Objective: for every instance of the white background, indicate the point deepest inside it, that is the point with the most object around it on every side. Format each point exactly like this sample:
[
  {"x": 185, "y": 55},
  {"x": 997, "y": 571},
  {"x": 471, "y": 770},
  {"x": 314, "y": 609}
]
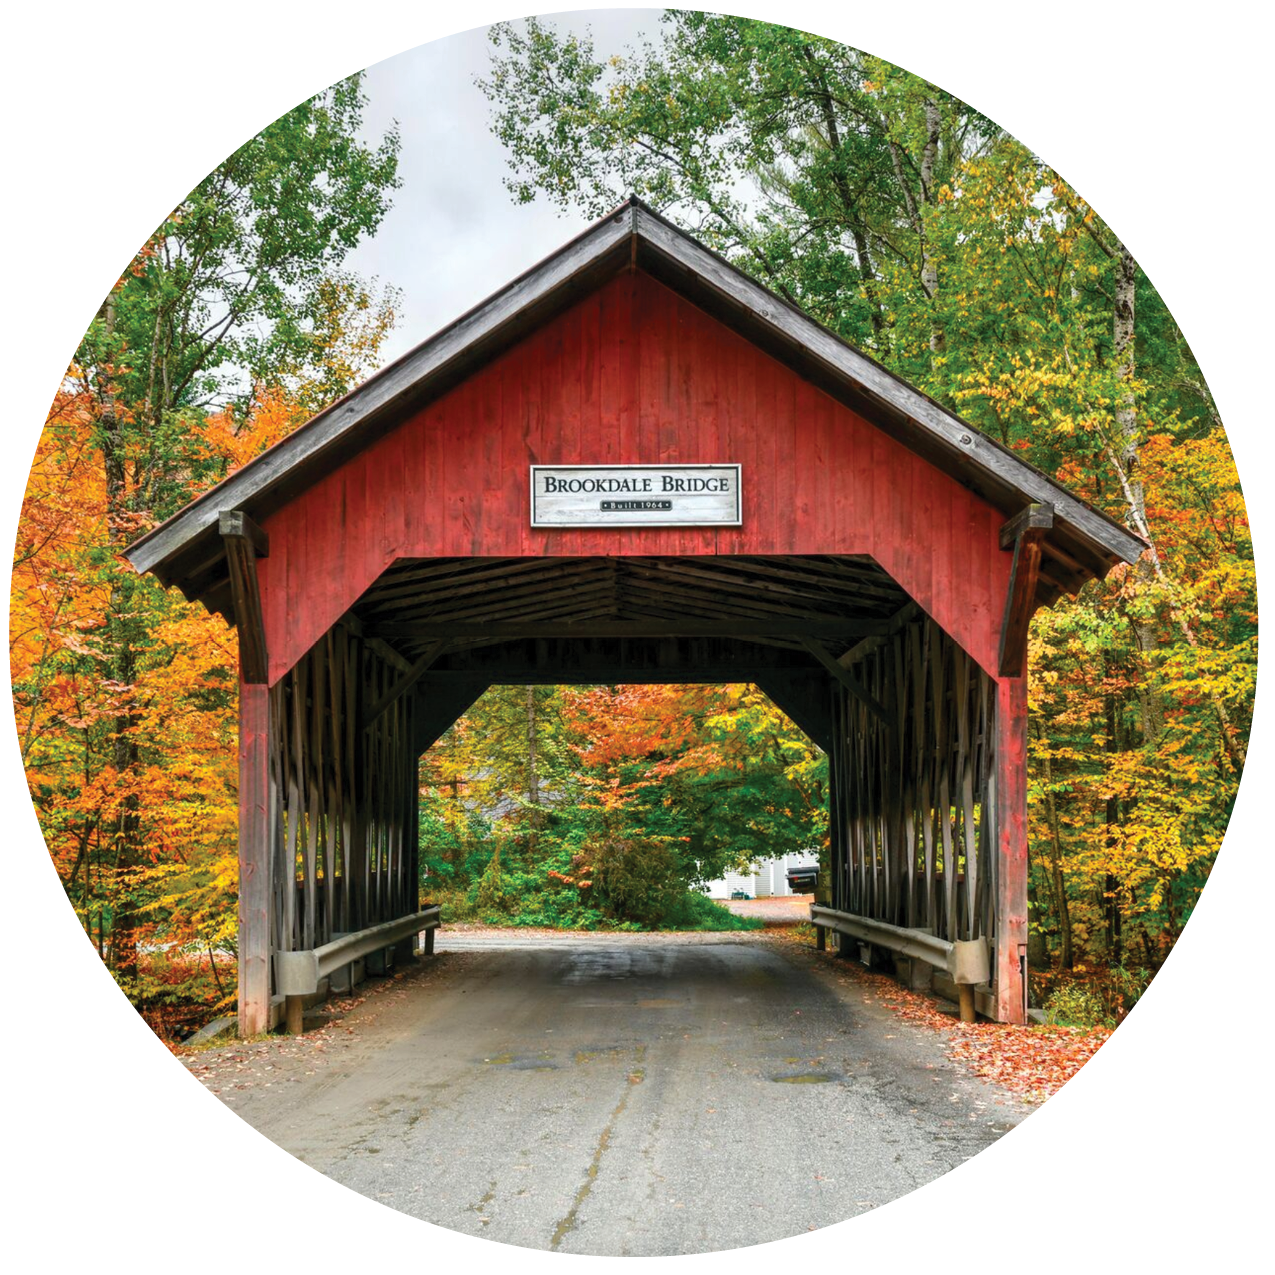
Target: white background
[{"x": 1155, "y": 1157}]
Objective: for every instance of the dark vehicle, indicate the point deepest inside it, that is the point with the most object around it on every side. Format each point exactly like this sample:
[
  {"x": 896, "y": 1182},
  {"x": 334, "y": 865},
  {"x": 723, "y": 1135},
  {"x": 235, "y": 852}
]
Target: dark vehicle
[{"x": 802, "y": 880}]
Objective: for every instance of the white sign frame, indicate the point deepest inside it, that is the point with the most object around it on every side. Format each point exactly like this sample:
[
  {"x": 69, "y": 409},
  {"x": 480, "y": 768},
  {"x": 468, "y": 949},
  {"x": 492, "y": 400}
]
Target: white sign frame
[{"x": 573, "y": 511}]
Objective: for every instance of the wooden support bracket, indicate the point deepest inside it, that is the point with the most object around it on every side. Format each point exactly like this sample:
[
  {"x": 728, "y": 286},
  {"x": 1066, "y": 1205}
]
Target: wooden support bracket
[
  {"x": 809, "y": 711},
  {"x": 1024, "y": 533},
  {"x": 410, "y": 677},
  {"x": 901, "y": 618},
  {"x": 244, "y": 543},
  {"x": 848, "y": 680}
]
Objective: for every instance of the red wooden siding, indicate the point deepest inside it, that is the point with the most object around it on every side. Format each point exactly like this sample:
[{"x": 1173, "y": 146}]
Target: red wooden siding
[{"x": 633, "y": 374}]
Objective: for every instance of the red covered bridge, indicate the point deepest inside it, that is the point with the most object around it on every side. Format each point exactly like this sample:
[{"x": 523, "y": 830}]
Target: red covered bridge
[{"x": 635, "y": 464}]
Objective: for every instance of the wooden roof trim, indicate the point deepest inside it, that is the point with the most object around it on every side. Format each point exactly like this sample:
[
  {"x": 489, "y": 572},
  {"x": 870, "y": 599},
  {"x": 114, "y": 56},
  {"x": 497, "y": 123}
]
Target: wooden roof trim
[
  {"x": 382, "y": 391},
  {"x": 961, "y": 441},
  {"x": 619, "y": 234}
]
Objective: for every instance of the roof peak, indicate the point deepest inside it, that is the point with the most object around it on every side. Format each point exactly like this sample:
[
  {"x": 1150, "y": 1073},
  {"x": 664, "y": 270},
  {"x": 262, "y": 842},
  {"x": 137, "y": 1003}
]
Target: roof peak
[{"x": 631, "y": 236}]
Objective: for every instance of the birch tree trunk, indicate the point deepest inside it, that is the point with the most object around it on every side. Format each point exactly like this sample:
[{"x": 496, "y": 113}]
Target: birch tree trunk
[
  {"x": 1123, "y": 332},
  {"x": 1150, "y": 568},
  {"x": 929, "y": 265}
]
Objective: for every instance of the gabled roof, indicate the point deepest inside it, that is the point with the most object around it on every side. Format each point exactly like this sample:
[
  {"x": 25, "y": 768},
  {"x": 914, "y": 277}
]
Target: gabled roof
[{"x": 186, "y": 550}]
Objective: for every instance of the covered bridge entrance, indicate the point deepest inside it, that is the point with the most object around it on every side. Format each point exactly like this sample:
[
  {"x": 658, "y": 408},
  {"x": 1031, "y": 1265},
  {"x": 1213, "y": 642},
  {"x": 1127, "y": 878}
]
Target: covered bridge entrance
[{"x": 635, "y": 464}]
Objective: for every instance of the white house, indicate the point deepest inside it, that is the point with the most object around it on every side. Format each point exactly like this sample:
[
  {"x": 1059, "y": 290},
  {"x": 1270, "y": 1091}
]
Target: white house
[{"x": 768, "y": 881}]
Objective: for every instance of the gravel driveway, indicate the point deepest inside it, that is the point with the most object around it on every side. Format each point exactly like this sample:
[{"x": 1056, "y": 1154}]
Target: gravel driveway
[{"x": 774, "y": 911}]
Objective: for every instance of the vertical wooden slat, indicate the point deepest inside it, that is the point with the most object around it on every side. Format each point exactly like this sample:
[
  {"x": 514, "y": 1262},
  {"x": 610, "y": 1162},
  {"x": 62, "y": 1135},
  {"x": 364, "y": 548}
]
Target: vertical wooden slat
[
  {"x": 312, "y": 813},
  {"x": 1011, "y": 828},
  {"x": 336, "y": 811},
  {"x": 943, "y": 732},
  {"x": 323, "y": 787},
  {"x": 965, "y": 707},
  {"x": 278, "y": 785},
  {"x": 292, "y": 762},
  {"x": 836, "y": 825},
  {"x": 355, "y": 845},
  {"x": 413, "y": 813},
  {"x": 372, "y": 770},
  {"x": 254, "y": 858},
  {"x": 987, "y": 823}
]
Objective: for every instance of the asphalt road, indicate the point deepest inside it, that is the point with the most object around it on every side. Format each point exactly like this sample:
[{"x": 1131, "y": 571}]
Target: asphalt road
[{"x": 650, "y": 1095}]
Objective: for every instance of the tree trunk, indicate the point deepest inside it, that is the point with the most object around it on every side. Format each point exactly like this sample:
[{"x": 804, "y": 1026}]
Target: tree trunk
[
  {"x": 1125, "y": 456},
  {"x": 533, "y": 782},
  {"x": 119, "y": 665},
  {"x": 929, "y": 263},
  {"x": 1123, "y": 333},
  {"x": 1065, "y": 956},
  {"x": 1111, "y": 886}
]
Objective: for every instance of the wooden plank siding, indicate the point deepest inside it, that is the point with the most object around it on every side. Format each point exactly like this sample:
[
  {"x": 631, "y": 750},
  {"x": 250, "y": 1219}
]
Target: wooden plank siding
[
  {"x": 679, "y": 387},
  {"x": 422, "y": 541}
]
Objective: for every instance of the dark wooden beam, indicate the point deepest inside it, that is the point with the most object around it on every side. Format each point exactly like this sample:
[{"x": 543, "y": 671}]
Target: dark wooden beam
[
  {"x": 903, "y": 616},
  {"x": 441, "y": 704},
  {"x": 1035, "y": 518},
  {"x": 397, "y": 589},
  {"x": 1024, "y": 532},
  {"x": 503, "y": 606},
  {"x": 779, "y": 626},
  {"x": 244, "y": 542},
  {"x": 849, "y": 681},
  {"x": 410, "y": 677},
  {"x": 236, "y": 523},
  {"x": 615, "y": 661},
  {"x": 806, "y": 700}
]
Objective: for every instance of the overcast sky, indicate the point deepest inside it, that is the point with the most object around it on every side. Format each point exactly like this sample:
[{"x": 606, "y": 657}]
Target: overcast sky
[{"x": 454, "y": 234}]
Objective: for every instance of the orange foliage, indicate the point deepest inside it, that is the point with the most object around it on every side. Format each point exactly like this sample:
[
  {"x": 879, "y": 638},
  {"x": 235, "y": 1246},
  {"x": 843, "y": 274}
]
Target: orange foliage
[{"x": 178, "y": 713}]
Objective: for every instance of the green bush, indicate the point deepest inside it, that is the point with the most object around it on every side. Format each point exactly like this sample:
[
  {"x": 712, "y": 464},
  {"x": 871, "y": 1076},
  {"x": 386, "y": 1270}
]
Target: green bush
[
  {"x": 1124, "y": 988},
  {"x": 455, "y": 902},
  {"x": 695, "y": 911},
  {"x": 573, "y": 884},
  {"x": 637, "y": 880},
  {"x": 1076, "y": 1005}
]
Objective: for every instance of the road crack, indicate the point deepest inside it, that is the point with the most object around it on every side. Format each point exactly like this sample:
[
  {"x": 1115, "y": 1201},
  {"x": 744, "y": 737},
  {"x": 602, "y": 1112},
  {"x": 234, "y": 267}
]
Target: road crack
[{"x": 568, "y": 1223}]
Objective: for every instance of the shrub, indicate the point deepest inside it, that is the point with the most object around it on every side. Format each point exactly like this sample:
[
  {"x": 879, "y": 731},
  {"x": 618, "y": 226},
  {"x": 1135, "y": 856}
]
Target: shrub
[
  {"x": 637, "y": 881},
  {"x": 490, "y": 895},
  {"x": 1123, "y": 989},
  {"x": 1075, "y": 1005},
  {"x": 695, "y": 911}
]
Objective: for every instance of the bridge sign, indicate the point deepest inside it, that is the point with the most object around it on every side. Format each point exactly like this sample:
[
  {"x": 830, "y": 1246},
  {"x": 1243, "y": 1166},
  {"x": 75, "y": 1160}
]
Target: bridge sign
[{"x": 635, "y": 496}]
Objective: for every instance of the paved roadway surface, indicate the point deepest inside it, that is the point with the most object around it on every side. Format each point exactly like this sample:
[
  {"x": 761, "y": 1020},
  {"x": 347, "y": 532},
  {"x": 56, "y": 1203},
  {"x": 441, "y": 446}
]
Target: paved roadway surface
[{"x": 644, "y": 1094}]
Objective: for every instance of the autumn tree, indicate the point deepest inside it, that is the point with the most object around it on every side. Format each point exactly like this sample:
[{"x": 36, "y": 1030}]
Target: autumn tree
[
  {"x": 918, "y": 229},
  {"x": 641, "y": 794},
  {"x": 235, "y": 321}
]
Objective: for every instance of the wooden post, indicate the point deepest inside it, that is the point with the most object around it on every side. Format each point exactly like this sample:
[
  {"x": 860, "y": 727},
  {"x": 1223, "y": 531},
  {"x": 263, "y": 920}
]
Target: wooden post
[
  {"x": 294, "y": 1014},
  {"x": 821, "y": 938},
  {"x": 1011, "y": 842},
  {"x": 966, "y": 993},
  {"x": 254, "y": 858},
  {"x": 429, "y": 942},
  {"x": 1023, "y": 534}
]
